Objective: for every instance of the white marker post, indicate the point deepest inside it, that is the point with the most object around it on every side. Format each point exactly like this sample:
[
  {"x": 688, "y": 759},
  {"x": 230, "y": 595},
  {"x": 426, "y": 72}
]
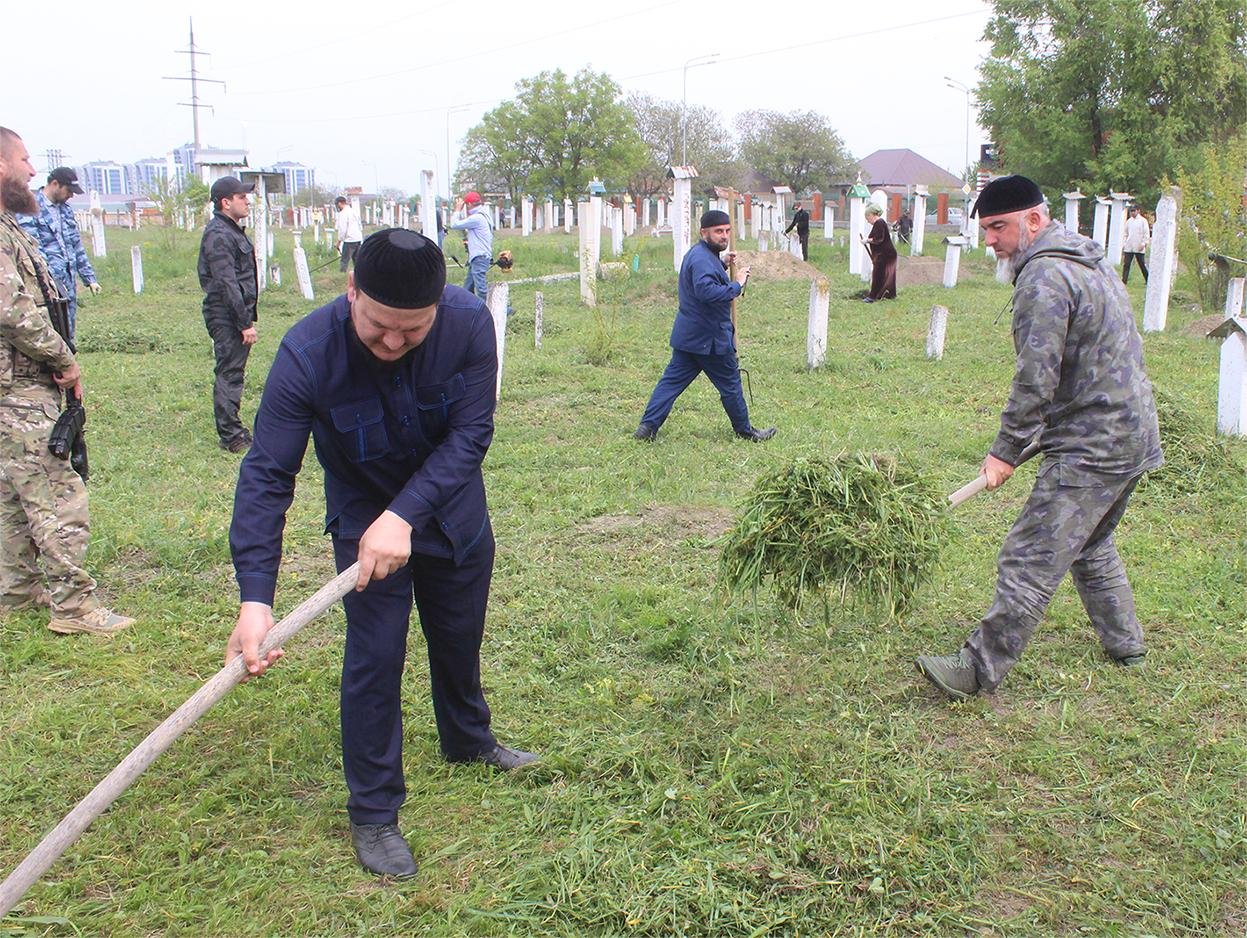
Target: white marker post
[
  {"x": 1162, "y": 261},
  {"x": 588, "y": 219},
  {"x": 1117, "y": 226},
  {"x": 1099, "y": 227},
  {"x": 98, "y": 247},
  {"x": 301, "y": 272},
  {"x": 1232, "y": 387},
  {"x": 136, "y": 268},
  {"x": 539, "y": 309},
  {"x": 662, "y": 212},
  {"x": 567, "y": 216},
  {"x": 919, "y": 232},
  {"x": 816, "y": 330},
  {"x": 829, "y": 221},
  {"x": 935, "y": 332},
  {"x": 497, "y": 298},
  {"x": 1071, "y": 209},
  {"x": 857, "y": 226},
  {"x": 952, "y": 259},
  {"x": 617, "y": 232},
  {"x": 548, "y": 217},
  {"x": 681, "y": 214},
  {"x": 428, "y": 208},
  {"x": 526, "y": 216}
]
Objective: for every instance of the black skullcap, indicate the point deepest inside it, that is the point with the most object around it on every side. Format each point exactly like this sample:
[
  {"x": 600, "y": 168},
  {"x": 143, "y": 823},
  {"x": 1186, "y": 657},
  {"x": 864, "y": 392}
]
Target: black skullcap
[
  {"x": 1006, "y": 194},
  {"x": 401, "y": 269},
  {"x": 714, "y": 218}
]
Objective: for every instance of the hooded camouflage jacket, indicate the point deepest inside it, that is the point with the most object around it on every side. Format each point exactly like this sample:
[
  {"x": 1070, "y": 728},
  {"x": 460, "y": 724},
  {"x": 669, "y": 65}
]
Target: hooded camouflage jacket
[{"x": 1079, "y": 375}]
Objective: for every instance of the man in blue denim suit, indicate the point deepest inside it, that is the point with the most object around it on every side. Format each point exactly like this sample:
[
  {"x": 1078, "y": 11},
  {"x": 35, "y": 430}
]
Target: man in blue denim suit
[
  {"x": 703, "y": 337},
  {"x": 395, "y": 384}
]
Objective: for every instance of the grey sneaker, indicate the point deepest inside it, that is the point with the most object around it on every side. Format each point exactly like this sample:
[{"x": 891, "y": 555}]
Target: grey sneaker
[
  {"x": 953, "y": 674},
  {"x": 99, "y": 621},
  {"x": 1132, "y": 661}
]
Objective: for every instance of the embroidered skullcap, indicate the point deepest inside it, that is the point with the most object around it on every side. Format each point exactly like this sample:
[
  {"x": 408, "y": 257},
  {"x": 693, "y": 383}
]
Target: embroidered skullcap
[{"x": 401, "y": 269}]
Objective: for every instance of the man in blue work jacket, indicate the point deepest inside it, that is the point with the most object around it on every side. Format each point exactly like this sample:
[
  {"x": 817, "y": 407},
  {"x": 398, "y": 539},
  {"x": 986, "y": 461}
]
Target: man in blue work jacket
[
  {"x": 703, "y": 337},
  {"x": 395, "y": 383}
]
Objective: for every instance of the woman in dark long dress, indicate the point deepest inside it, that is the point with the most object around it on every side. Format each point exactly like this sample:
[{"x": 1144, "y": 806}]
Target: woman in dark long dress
[{"x": 882, "y": 257}]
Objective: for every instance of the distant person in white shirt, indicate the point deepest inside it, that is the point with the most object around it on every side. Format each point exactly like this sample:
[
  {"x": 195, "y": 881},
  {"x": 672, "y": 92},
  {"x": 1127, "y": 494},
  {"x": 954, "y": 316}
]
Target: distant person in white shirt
[
  {"x": 473, "y": 220},
  {"x": 1138, "y": 236},
  {"x": 350, "y": 231}
]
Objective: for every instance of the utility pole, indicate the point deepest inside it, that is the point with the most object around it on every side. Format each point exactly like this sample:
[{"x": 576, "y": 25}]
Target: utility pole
[{"x": 194, "y": 79}]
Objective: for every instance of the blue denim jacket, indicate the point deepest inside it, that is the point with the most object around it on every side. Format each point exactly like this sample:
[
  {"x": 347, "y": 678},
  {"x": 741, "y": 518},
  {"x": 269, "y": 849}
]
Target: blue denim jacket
[{"x": 408, "y": 436}]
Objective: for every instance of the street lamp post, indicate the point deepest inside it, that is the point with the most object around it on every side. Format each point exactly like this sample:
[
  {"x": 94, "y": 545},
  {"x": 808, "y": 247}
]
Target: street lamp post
[
  {"x": 450, "y": 110},
  {"x": 958, "y": 86},
  {"x": 694, "y": 62}
]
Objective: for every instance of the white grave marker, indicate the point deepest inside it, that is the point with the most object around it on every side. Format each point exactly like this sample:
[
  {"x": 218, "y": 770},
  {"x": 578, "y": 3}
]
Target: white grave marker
[
  {"x": 952, "y": 259},
  {"x": 1162, "y": 262},
  {"x": 1099, "y": 227},
  {"x": 136, "y": 268},
  {"x": 497, "y": 298},
  {"x": 919, "y": 232},
  {"x": 1071, "y": 209},
  {"x": 816, "y": 329},
  {"x": 1117, "y": 226},
  {"x": 1232, "y": 387},
  {"x": 935, "y": 332}
]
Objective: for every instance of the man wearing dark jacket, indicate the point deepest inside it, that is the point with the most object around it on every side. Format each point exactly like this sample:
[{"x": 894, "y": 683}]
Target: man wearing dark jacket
[
  {"x": 395, "y": 383},
  {"x": 227, "y": 273},
  {"x": 801, "y": 221},
  {"x": 703, "y": 337},
  {"x": 1079, "y": 379}
]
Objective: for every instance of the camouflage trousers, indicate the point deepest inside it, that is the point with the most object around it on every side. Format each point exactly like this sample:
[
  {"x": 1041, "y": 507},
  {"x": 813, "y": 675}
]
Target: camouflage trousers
[
  {"x": 1066, "y": 526},
  {"x": 43, "y": 509}
]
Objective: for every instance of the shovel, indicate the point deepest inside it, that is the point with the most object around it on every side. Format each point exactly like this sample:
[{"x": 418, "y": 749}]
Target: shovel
[{"x": 61, "y": 837}]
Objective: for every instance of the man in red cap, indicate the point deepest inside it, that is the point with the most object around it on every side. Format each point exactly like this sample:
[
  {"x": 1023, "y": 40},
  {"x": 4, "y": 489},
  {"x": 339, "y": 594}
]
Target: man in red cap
[{"x": 473, "y": 218}]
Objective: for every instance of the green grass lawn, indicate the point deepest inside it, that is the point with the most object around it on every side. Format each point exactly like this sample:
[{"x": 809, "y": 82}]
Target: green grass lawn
[{"x": 709, "y": 768}]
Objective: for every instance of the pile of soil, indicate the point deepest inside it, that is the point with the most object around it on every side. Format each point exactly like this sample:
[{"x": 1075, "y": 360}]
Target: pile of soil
[
  {"x": 918, "y": 271},
  {"x": 1200, "y": 328},
  {"x": 776, "y": 265}
]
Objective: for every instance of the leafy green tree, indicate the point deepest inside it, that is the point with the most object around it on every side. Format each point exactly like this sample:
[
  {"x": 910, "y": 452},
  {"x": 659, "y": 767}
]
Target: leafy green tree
[
  {"x": 709, "y": 145},
  {"x": 1212, "y": 220},
  {"x": 557, "y": 134},
  {"x": 1112, "y": 94},
  {"x": 798, "y": 149},
  {"x": 483, "y": 169}
]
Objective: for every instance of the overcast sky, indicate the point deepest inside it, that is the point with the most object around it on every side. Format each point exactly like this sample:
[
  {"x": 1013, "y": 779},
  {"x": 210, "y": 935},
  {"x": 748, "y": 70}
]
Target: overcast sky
[{"x": 367, "y": 92}]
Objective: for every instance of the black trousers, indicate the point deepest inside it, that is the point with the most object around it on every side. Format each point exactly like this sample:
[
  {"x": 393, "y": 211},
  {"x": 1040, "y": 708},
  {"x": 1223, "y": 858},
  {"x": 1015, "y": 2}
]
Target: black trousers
[
  {"x": 1129, "y": 256},
  {"x": 451, "y": 601},
  {"x": 231, "y": 364},
  {"x": 349, "y": 250}
]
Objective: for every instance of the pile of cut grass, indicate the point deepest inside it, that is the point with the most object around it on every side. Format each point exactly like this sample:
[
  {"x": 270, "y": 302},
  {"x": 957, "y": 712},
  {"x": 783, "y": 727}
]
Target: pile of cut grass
[
  {"x": 1196, "y": 460},
  {"x": 857, "y": 528}
]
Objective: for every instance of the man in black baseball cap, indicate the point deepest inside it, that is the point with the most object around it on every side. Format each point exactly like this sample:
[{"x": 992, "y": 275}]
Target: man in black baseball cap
[
  {"x": 54, "y": 227},
  {"x": 395, "y": 382},
  {"x": 227, "y": 273}
]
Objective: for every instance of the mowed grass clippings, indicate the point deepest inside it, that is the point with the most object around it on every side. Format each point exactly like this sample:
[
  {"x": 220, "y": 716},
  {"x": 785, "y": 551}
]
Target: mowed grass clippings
[
  {"x": 708, "y": 770},
  {"x": 857, "y": 526},
  {"x": 1196, "y": 459}
]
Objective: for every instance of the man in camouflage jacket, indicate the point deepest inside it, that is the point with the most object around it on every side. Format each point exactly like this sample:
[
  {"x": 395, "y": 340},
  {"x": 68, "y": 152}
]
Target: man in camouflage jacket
[
  {"x": 55, "y": 230},
  {"x": 43, "y": 501},
  {"x": 1079, "y": 381}
]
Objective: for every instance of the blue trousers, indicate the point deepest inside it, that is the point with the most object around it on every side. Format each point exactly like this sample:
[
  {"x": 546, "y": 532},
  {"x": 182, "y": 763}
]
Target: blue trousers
[
  {"x": 475, "y": 282},
  {"x": 451, "y": 601},
  {"x": 723, "y": 372}
]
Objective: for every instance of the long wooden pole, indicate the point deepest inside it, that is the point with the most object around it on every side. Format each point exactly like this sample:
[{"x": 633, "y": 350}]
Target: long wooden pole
[{"x": 61, "y": 837}]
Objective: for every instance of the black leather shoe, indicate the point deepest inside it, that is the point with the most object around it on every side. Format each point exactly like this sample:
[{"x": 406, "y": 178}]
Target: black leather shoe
[
  {"x": 756, "y": 435},
  {"x": 381, "y": 849},
  {"x": 645, "y": 433},
  {"x": 507, "y": 759}
]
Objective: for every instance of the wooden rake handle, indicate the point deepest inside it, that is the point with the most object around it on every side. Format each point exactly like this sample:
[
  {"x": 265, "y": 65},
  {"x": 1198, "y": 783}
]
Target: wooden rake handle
[
  {"x": 61, "y": 837},
  {"x": 973, "y": 487}
]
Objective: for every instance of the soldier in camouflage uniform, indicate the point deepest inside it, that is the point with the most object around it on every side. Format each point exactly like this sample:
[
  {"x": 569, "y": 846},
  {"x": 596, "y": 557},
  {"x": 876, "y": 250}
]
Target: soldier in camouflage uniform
[
  {"x": 43, "y": 501},
  {"x": 1079, "y": 379},
  {"x": 56, "y": 232}
]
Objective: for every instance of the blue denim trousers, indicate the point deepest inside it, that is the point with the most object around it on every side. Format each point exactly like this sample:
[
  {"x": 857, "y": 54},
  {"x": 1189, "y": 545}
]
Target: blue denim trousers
[{"x": 475, "y": 281}]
